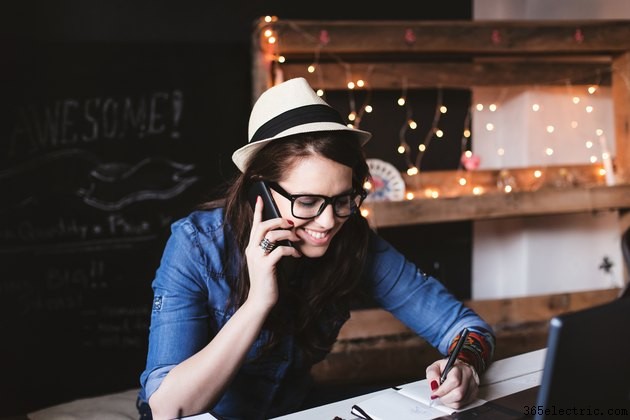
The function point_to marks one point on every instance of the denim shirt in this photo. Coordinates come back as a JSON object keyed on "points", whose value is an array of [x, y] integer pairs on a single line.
{"points": [[191, 290]]}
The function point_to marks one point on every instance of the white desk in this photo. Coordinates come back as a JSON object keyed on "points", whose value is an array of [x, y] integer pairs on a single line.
{"points": [[503, 377]]}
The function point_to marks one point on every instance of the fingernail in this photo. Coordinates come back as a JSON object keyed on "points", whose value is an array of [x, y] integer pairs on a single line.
{"points": [[290, 222], [434, 397], [434, 385]]}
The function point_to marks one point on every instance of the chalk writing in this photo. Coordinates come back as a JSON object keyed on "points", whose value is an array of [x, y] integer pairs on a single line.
{"points": [[72, 121]]}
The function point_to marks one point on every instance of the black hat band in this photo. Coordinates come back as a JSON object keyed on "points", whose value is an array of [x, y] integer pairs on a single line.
{"points": [[294, 117]]}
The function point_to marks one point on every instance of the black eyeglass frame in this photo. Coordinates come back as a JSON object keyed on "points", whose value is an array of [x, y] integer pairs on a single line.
{"points": [[327, 200]]}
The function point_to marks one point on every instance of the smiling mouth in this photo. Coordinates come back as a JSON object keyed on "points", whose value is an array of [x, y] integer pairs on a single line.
{"points": [[316, 235]]}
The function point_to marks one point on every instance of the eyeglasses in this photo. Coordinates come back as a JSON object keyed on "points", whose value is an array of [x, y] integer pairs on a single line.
{"points": [[308, 206]]}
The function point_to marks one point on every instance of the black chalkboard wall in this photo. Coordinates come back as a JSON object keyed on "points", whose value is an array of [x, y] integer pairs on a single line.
{"points": [[106, 145], [117, 118]]}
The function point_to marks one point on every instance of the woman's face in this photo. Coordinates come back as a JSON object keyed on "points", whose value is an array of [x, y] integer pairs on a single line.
{"points": [[314, 175]]}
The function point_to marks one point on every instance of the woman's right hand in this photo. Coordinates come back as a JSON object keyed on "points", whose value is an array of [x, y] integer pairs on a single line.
{"points": [[263, 285]]}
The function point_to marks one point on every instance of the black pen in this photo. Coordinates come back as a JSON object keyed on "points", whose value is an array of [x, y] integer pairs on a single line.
{"points": [[453, 356]]}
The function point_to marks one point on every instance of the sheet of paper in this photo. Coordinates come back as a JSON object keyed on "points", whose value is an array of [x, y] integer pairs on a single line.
{"points": [[420, 391], [393, 405]]}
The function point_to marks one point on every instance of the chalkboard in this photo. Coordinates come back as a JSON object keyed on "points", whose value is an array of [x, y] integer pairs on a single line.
{"points": [[102, 147]]}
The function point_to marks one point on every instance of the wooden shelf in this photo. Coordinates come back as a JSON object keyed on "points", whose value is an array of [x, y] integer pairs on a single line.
{"points": [[498, 205]]}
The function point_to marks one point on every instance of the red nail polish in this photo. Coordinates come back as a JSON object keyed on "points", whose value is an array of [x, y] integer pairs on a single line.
{"points": [[433, 397], [434, 385], [290, 222]]}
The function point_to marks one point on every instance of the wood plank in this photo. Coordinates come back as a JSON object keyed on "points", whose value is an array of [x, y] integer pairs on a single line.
{"points": [[498, 205], [375, 322], [454, 37], [621, 99], [388, 75]]}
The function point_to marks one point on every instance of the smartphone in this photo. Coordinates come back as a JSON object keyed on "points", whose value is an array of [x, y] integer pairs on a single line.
{"points": [[270, 209]]}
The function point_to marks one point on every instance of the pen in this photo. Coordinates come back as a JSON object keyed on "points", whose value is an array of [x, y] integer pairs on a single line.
{"points": [[453, 356]]}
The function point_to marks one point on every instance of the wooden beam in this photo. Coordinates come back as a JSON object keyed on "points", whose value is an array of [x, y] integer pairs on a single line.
{"points": [[498, 205], [462, 75], [621, 99], [453, 37], [376, 322]]}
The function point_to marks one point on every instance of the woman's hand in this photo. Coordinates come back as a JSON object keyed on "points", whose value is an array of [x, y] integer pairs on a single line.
{"points": [[460, 387], [263, 288]]}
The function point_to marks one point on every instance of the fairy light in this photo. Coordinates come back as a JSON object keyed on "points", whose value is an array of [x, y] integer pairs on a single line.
{"points": [[409, 196], [537, 173], [367, 185], [592, 89], [351, 85], [549, 151], [311, 68], [360, 83], [412, 171], [593, 159], [588, 144], [320, 92], [365, 212], [477, 190], [401, 149], [550, 129], [576, 100], [500, 151], [535, 107], [422, 147], [489, 127], [439, 133], [479, 107], [412, 124], [443, 109], [462, 181], [368, 109], [352, 116], [401, 101], [589, 109]]}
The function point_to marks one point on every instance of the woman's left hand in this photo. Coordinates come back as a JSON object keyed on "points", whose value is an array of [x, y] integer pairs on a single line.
{"points": [[460, 387]]}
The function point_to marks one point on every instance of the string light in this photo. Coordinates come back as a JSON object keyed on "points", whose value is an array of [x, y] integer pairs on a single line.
{"points": [[355, 114]]}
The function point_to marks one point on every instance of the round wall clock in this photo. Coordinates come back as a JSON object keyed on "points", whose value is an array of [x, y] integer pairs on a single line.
{"points": [[387, 182]]}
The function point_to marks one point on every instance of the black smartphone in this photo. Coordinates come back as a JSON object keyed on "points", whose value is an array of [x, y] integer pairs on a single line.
{"points": [[270, 209]]}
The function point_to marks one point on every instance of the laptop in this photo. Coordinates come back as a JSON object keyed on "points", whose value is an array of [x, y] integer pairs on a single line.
{"points": [[587, 368], [587, 364]]}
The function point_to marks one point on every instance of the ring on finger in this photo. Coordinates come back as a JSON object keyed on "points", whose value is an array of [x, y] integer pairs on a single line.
{"points": [[267, 246]]}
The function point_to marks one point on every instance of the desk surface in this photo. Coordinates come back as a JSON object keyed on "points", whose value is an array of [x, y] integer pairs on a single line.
{"points": [[503, 378]]}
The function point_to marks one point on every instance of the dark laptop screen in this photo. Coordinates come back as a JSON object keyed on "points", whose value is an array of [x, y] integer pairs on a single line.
{"points": [[587, 365]]}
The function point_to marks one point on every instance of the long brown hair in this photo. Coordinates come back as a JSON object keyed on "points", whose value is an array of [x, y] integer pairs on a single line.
{"points": [[331, 278]]}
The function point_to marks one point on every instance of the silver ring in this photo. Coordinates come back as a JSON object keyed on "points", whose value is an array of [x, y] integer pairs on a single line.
{"points": [[267, 246]]}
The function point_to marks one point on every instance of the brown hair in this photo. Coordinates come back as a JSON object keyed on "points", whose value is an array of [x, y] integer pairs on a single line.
{"points": [[334, 276]]}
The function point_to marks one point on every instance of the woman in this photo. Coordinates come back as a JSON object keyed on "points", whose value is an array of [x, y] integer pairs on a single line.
{"points": [[239, 318]]}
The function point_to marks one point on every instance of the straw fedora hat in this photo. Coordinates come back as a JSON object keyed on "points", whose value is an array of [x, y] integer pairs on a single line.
{"points": [[291, 107]]}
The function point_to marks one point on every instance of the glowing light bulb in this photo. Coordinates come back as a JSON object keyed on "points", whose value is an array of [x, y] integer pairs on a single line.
{"points": [[401, 101], [489, 126], [535, 107], [593, 159], [477, 190], [368, 109], [589, 109], [549, 151], [311, 68], [412, 171], [550, 129], [500, 151], [367, 185], [320, 92], [462, 181], [422, 147], [439, 133], [592, 89], [401, 149], [479, 107], [350, 85], [576, 100], [599, 131], [588, 144], [409, 196], [537, 173], [467, 133], [492, 107], [360, 83], [443, 109], [365, 212], [271, 40], [412, 124]]}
